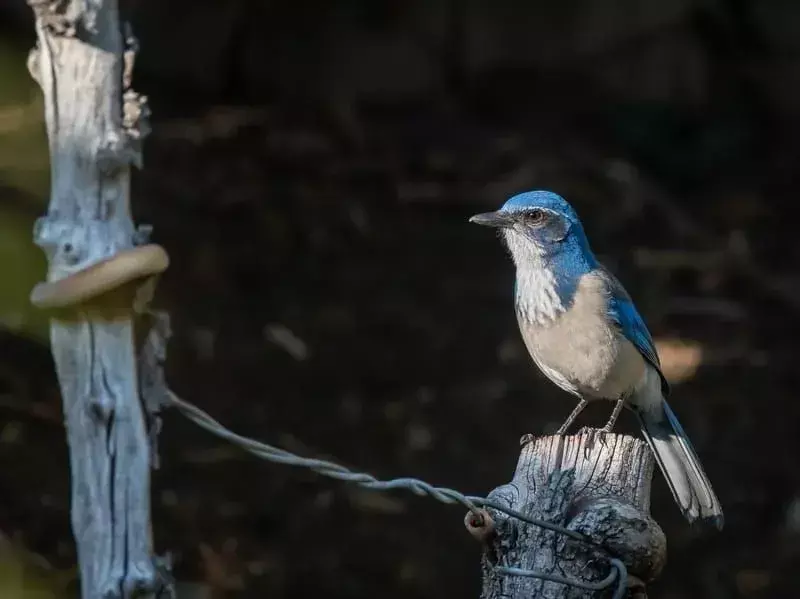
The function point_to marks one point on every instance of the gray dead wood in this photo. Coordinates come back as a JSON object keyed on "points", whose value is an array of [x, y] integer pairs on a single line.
{"points": [[95, 124], [591, 483]]}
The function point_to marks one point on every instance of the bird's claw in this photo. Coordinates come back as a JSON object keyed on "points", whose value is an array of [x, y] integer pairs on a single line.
{"points": [[592, 435]]}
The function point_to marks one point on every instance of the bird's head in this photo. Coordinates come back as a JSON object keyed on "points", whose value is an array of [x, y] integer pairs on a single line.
{"points": [[541, 229]]}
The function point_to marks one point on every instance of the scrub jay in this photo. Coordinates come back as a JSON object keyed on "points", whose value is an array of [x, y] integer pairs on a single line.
{"points": [[583, 332]]}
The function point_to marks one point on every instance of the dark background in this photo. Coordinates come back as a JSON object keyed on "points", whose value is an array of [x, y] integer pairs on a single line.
{"points": [[311, 172]]}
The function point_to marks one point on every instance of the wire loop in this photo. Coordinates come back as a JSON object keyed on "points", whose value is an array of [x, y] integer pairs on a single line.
{"points": [[618, 573]]}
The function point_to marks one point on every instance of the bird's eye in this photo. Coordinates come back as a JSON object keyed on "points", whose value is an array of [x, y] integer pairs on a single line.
{"points": [[535, 216]]}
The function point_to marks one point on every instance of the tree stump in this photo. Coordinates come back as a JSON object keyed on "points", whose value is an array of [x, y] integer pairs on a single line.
{"points": [[592, 483]]}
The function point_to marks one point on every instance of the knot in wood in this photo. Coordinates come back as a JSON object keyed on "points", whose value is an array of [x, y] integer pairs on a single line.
{"points": [[480, 525]]}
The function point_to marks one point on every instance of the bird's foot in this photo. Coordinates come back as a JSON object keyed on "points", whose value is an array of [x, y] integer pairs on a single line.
{"points": [[562, 430], [592, 436], [612, 420]]}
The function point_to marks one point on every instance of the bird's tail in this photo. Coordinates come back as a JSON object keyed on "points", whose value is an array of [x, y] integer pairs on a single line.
{"points": [[680, 465]]}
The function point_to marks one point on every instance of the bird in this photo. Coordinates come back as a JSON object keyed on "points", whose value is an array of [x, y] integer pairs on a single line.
{"points": [[583, 331]]}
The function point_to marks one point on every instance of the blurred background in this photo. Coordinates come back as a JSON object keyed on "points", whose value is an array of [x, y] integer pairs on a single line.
{"points": [[311, 171]]}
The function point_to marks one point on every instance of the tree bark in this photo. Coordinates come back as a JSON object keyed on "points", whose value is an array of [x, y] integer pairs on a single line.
{"points": [[591, 483], [83, 63]]}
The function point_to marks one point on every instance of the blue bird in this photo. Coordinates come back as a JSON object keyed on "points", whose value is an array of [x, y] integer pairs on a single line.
{"points": [[583, 332]]}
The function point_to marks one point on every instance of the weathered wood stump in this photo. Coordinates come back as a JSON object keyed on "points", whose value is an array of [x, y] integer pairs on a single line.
{"points": [[591, 483]]}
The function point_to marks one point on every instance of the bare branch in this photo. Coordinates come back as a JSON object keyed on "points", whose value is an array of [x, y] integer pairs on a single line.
{"points": [[97, 263]]}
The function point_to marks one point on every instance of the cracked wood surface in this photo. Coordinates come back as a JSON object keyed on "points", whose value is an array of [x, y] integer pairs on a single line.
{"points": [[592, 483], [95, 124]]}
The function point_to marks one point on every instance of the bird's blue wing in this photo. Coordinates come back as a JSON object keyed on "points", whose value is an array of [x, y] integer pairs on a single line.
{"points": [[624, 313]]}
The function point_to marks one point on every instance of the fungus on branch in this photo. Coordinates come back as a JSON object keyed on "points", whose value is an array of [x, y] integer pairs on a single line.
{"points": [[98, 265], [102, 277]]}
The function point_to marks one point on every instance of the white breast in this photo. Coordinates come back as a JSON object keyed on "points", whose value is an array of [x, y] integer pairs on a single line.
{"points": [[580, 350], [537, 300]]}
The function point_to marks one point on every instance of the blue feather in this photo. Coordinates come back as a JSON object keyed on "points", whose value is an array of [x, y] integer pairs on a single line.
{"points": [[624, 313], [541, 199], [571, 256]]}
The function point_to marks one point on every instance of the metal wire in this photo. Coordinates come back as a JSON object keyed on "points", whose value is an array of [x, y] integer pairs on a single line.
{"points": [[618, 573]]}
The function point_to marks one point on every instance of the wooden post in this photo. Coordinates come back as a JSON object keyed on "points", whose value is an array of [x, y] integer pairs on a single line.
{"points": [[97, 261], [592, 483]]}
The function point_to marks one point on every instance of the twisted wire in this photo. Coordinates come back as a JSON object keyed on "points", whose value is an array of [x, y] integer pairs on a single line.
{"points": [[444, 495]]}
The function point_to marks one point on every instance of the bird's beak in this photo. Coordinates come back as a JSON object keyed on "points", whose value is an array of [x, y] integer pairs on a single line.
{"points": [[497, 219]]}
